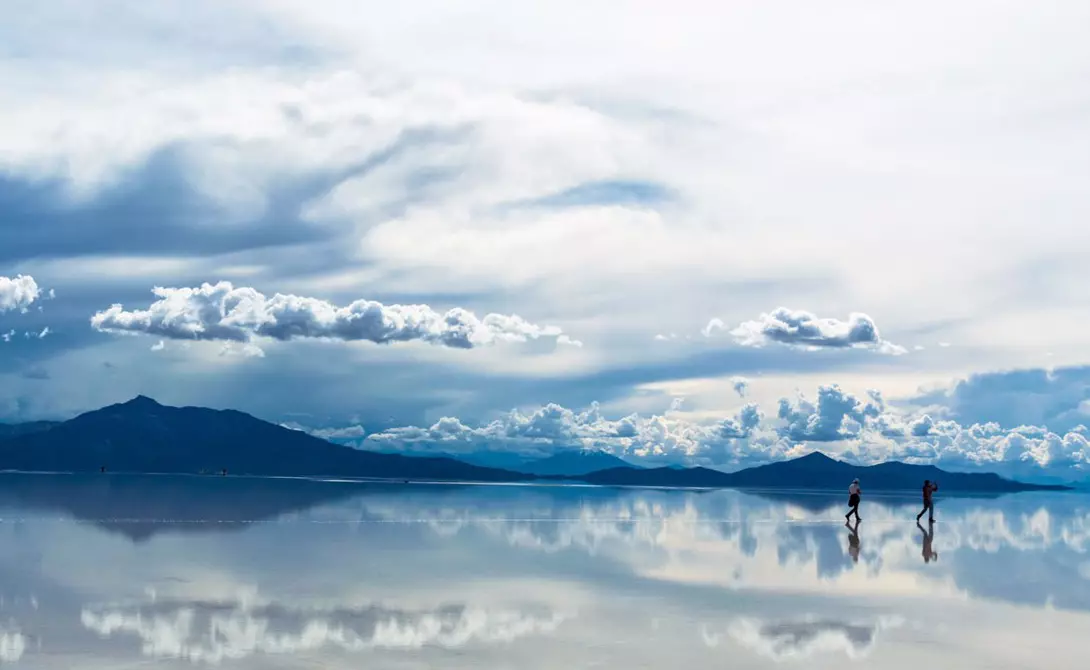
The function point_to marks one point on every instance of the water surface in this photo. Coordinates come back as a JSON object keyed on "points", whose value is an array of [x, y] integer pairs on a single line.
{"points": [[115, 572]]}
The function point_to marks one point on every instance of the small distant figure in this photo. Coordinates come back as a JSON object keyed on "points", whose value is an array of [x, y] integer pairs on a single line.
{"points": [[223, 472], [853, 500], [929, 489], [853, 540], [102, 469], [929, 554]]}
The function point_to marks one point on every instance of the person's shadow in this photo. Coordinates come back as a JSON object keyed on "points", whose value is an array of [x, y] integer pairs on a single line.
{"points": [[853, 540], [929, 554]]}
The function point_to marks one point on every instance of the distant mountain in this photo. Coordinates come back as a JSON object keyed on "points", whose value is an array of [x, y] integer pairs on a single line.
{"points": [[16, 429], [573, 463], [818, 471], [143, 436]]}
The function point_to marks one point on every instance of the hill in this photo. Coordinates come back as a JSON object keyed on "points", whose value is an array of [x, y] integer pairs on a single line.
{"points": [[16, 429], [574, 463], [142, 435], [818, 471]]}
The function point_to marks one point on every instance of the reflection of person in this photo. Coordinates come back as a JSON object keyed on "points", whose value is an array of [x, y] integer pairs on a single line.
{"points": [[929, 554], [853, 540], [929, 489], [853, 500]]}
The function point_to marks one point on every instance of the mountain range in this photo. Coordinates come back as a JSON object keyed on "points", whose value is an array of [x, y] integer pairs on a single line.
{"points": [[142, 435]]}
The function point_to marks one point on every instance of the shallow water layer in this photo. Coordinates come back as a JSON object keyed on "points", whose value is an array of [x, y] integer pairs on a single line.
{"points": [[114, 571]]}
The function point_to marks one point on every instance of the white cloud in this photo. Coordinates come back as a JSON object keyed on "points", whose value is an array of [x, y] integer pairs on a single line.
{"points": [[214, 632], [222, 312], [12, 645], [345, 433], [18, 293], [791, 640], [728, 161], [803, 329], [656, 438], [865, 431]]}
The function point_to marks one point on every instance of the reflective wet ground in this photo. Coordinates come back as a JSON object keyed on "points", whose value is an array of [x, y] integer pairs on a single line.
{"points": [[118, 572]]}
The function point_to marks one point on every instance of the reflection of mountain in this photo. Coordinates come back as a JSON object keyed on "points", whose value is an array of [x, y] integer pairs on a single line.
{"points": [[140, 506], [820, 502], [143, 436]]}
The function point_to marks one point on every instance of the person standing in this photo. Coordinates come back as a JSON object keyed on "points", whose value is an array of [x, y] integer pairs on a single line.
{"points": [[929, 489], [853, 500]]}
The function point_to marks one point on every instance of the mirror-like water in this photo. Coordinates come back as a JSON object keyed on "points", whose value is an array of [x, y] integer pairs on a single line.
{"points": [[115, 572]]}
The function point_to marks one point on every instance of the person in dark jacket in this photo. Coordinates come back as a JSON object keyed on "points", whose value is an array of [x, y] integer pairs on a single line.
{"points": [[929, 489]]}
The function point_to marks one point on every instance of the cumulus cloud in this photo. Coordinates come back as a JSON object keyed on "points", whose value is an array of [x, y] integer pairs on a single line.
{"points": [[803, 329], [211, 632], [801, 639], [836, 415], [223, 312], [551, 428], [18, 293], [864, 430]]}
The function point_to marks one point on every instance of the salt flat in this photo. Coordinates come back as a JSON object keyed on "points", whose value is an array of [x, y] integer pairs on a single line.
{"points": [[115, 571]]}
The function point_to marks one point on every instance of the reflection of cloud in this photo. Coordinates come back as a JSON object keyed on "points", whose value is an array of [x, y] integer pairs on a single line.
{"points": [[213, 631], [781, 640], [12, 645], [740, 541]]}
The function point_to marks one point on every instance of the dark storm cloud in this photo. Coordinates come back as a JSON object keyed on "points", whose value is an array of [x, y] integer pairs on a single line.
{"points": [[1058, 399]]}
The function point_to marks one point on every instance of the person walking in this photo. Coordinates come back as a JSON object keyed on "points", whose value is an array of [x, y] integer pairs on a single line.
{"points": [[853, 500], [929, 489]]}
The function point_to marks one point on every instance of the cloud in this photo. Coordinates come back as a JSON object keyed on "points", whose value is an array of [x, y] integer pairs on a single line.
{"points": [[222, 312], [837, 415], [18, 293], [861, 430], [740, 386], [12, 645], [803, 329], [551, 428], [343, 434], [1058, 398], [211, 632], [785, 640]]}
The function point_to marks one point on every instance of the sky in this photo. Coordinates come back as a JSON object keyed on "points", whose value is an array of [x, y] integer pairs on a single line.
{"points": [[698, 233]]}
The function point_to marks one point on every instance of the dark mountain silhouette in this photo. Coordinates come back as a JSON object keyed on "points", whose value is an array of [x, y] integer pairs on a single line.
{"points": [[16, 429], [574, 462], [818, 471], [143, 436]]}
